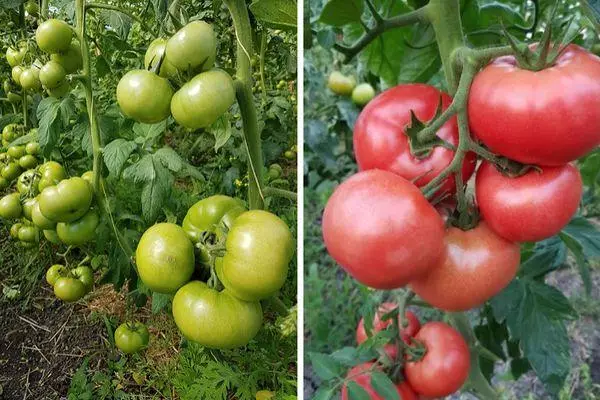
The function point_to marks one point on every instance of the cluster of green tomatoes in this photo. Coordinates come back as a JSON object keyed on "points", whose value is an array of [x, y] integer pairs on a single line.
{"points": [[218, 265], [62, 55], [186, 61], [345, 85], [70, 284]]}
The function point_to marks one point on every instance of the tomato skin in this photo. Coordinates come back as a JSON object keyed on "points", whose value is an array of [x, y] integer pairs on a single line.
{"points": [[201, 101], [193, 47], [531, 207], [28, 233], [28, 205], [208, 215], [51, 174], [51, 236], [80, 231], [66, 202], [11, 171], [53, 36], [152, 57], [55, 272], [14, 56], [85, 275], [341, 84], [16, 73], [378, 325], [70, 59], [399, 239], [27, 161], [530, 116], [131, 337], [32, 148], [259, 248], [27, 182], [10, 206], [16, 152], [264, 395], [144, 96], [69, 289], [380, 140], [52, 74], [29, 79], [14, 230], [445, 365], [215, 319], [362, 94], [477, 266], [361, 375], [165, 258]]}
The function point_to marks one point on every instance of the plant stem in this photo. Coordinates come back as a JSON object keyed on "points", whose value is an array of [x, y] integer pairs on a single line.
{"points": [[122, 11], [286, 194], [243, 33], [44, 9], [263, 49], [24, 92]]}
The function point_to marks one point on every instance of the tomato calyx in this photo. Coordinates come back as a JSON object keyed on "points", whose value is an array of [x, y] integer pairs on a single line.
{"points": [[416, 351], [422, 147], [514, 169]]}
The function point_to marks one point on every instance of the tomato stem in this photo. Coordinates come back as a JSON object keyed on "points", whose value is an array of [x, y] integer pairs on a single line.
{"points": [[44, 9], [286, 194]]}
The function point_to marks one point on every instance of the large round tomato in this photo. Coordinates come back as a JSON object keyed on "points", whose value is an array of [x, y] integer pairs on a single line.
{"points": [[380, 228], [51, 174], [380, 140], [29, 79], [11, 170], [80, 231], [444, 367], [193, 47], [70, 59], [154, 54], [165, 258], [55, 272], [14, 56], [10, 206], [478, 264], [341, 84], [144, 96], [361, 374], [69, 289], [53, 36], [406, 332], [16, 152], [52, 74], [27, 161], [32, 148], [67, 201], [201, 101], [131, 337], [215, 319], [531, 207], [538, 117], [29, 234], [259, 248], [211, 214]]}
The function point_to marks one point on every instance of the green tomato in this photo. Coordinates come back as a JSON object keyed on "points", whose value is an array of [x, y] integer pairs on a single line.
{"points": [[265, 395], [30, 80], [85, 276], [193, 47], [69, 289], [51, 236], [362, 94], [154, 54], [66, 202], [341, 84], [131, 337], [289, 154], [59, 91], [15, 57], [88, 176], [275, 171], [27, 206], [32, 148], [144, 96], [52, 74], [51, 173], [13, 98], [32, 8], [40, 221], [211, 215], [11, 171], [53, 36], [55, 272], [27, 183], [29, 234], [165, 258], [215, 319], [16, 152], [16, 73], [27, 161], [80, 231], [259, 248], [14, 230], [28, 245], [201, 101], [71, 59]]}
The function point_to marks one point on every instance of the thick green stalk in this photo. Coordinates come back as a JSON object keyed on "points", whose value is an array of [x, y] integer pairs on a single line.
{"points": [[24, 92], [445, 19], [44, 9], [243, 32]]}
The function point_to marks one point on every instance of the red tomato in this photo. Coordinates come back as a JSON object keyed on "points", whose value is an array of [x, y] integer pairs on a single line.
{"points": [[380, 140], [360, 374], [378, 325], [531, 207], [548, 117], [445, 366], [477, 266], [381, 230]]}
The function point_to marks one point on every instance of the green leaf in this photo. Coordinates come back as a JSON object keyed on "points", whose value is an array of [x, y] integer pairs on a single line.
{"points": [[278, 14], [116, 154], [221, 130], [348, 111], [590, 168], [581, 261], [548, 255], [317, 137], [356, 392], [159, 302], [325, 366], [48, 113], [592, 10], [324, 393], [156, 191], [169, 158], [342, 12], [142, 171], [586, 234], [14, 4], [149, 131], [384, 386]]}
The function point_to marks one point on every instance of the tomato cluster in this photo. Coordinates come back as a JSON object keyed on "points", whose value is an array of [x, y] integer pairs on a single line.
{"points": [[344, 85], [249, 252], [184, 60], [70, 284]]}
